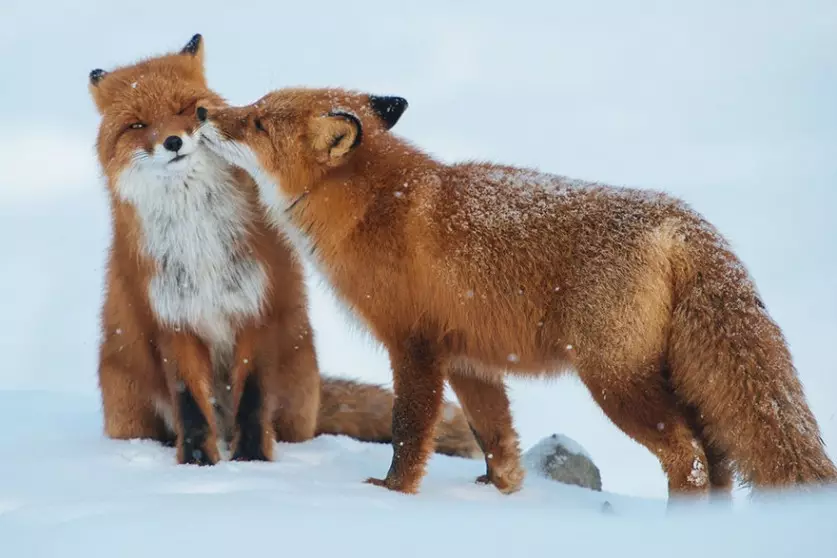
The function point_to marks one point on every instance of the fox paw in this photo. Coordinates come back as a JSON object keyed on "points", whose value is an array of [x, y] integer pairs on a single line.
{"points": [[249, 447], [386, 483], [249, 454], [196, 457], [510, 480], [508, 483]]}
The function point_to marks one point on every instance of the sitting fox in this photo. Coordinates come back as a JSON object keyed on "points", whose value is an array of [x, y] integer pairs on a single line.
{"points": [[205, 328], [468, 271]]}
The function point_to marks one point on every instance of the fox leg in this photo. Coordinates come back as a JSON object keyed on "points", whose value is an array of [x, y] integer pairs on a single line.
{"points": [[419, 384], [720, 472], [296, 385], [276, 387], [719, 466], [252, 434], [487, 408], [188, 367], [642, 406], [128, 397]]}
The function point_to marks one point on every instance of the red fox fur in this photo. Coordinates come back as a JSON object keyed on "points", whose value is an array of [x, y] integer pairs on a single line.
{"points": [[467, 271], [205, 328]]}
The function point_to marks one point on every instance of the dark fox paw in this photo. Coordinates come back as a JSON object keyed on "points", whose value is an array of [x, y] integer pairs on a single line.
{"points": [[196, 456], [249, 450]]}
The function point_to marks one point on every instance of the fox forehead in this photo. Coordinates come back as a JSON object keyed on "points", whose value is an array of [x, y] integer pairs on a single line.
{"points": [[161, 84], [150, 97], [298, 100]]}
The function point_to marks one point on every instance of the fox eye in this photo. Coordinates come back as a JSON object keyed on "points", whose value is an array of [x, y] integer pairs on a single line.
{"points": [[136, 125], [185, 109], [258, 123]]}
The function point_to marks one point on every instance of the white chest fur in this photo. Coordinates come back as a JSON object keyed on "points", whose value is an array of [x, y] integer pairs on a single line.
{"points": [[194, 224]]}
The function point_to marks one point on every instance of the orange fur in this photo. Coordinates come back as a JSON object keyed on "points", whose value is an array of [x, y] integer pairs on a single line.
{"points": [[469, 271], [205, 328]]}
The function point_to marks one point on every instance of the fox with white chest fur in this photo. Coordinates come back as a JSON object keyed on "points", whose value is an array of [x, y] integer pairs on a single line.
{"points": [[467, 272], [205, 328]]}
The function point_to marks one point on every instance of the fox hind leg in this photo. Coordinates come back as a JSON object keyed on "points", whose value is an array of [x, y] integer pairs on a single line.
{"points": [[645, 409], [720, 470], [128, 397], [295, 381], [487, 408]]}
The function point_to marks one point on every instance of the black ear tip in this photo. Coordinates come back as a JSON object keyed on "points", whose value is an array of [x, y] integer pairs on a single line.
{"points": [[97, 75], [193, 45], [202, 114], [388, 108]]}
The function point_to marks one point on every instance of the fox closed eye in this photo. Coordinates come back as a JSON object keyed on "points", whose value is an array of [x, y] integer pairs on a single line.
{"points": [[258, 123], [186, 108]]}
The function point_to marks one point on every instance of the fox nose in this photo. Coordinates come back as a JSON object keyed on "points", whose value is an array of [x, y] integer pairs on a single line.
{"points": [[202, 114], [173, 143]]}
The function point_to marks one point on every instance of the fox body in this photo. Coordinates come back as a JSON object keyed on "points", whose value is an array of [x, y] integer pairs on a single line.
{"points": [[205, 329], [467, 272]]}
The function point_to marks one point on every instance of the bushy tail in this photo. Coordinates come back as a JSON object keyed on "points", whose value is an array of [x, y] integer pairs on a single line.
{"points": [[729, 360], [364, 412]]}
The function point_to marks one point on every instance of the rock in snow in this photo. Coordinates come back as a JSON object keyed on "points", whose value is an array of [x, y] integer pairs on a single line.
{"points": [[564, 460]]}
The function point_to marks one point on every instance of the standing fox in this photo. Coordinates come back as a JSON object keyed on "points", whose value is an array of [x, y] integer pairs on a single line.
{"points": [[465, 271], [205, 331]]}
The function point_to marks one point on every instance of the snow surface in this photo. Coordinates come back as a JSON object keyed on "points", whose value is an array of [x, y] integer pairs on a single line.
{"points": [[727, 105], [69, 492]]}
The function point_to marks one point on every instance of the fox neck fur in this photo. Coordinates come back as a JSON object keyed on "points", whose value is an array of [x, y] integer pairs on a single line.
{"points": [[194, 226]]}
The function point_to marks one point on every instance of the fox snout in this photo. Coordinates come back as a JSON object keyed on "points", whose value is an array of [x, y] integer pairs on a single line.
{"points": [[173, 143], [220, 116], [231, 122]]}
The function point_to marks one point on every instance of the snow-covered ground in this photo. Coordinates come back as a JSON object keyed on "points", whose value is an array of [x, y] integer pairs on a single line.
{"points": [[728, 105], [68, 492]]}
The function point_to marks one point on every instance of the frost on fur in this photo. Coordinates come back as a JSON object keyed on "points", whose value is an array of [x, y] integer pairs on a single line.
{"points": [[479, 270]]}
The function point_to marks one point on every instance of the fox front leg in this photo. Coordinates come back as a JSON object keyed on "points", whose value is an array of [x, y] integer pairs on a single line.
{"points": [[418, 384]]}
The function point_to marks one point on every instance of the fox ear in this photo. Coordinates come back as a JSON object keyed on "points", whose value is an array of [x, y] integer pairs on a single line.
{"points": [[194, 47], [388, 109], [96, 76], [335, 136], [193, 54]]}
